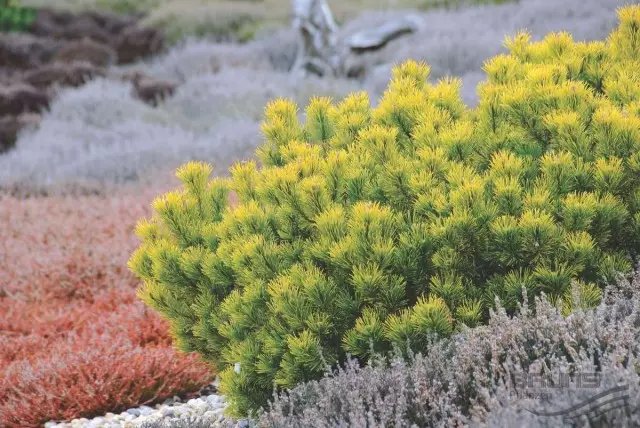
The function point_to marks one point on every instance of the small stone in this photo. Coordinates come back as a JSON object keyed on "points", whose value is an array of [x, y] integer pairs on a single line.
{"points": [[50, 424], [210, 415], [167, 412], [201, 406], [179, 411], [109, 415], [134, 412], [146, 410], [213, 399], [96, 422]]}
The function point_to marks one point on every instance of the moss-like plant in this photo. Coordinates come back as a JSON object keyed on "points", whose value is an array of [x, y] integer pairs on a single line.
{"points": [[372, 227], [14, 17]]}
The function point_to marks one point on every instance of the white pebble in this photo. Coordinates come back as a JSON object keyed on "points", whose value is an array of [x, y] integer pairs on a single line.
{"points": [[207, 408], [214, 399], [146, 410], [96, 422], [167, 411]]}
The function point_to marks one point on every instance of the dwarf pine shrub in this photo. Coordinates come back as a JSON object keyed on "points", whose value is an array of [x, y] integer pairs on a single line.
{"points": [[369, 228]]}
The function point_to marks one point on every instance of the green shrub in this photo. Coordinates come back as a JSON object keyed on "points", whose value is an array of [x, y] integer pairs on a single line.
{"points": [[14, 17], [372, 227]]}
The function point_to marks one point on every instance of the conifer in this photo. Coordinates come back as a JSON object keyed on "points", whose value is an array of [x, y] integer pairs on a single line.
{"points": [[368, 228]]}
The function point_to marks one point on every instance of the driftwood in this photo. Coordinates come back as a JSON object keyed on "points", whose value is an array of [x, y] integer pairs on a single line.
{"points": [[371, 39], [317, 43], [322, 52]]}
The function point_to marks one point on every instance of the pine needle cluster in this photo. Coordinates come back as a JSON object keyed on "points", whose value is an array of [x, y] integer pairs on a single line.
{"points": [[368, 228]]}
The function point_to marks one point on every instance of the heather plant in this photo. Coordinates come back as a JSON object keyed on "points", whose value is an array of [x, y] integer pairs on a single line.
{"points": [[369, 228], [97, 371], [189, 422], [471, 379], [620, 386], [75, 341], [98, 133]]}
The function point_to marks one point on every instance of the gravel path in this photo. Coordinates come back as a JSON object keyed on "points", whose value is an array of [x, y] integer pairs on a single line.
{"points": [[204, 411]]}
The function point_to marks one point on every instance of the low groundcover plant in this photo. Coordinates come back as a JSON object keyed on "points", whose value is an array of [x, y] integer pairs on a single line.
{"points": [[75, 341], [369, 228], [476, 378]]}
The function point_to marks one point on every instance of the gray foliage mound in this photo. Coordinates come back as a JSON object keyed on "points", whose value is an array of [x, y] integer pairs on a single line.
{"points": [[100, 133], [475, 379], [190, 422]]}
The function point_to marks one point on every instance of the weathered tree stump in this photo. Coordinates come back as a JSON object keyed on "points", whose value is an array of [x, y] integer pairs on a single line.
{"points": [[317, 42], [322, 53]]}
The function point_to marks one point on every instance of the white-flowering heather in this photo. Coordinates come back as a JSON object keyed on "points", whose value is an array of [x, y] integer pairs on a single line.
{"points": [[99, 132], [471, 379]]}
